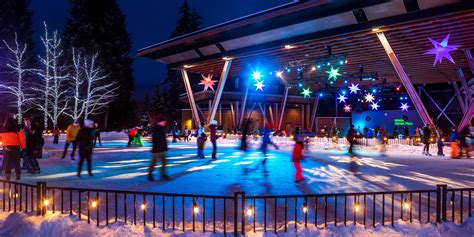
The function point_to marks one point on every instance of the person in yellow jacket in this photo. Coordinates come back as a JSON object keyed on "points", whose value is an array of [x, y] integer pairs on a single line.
{"points": [[13, 141], [71, 134]]}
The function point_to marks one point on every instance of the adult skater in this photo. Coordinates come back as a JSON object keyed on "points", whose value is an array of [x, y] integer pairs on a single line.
{"points": [[85, 142], [34, 146], [175, 132], [245, 130], [97, 135], [296, 158], [426, 140], [159, 145], [214, 137], [453, 143], [351, 138], [13, 141], [463, 141], [266, 140], [56, 134], [186, 133], [71, 134], [200, 139]]}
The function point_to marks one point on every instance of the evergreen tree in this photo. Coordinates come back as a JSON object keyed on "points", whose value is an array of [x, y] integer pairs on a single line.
{"points": [[15, 17], [100, 27], [189, 21]]}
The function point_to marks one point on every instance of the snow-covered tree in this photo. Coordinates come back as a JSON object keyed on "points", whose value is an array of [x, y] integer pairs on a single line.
{"points": [[77, 82], [99, 92], [17, 64], [44, 88]]}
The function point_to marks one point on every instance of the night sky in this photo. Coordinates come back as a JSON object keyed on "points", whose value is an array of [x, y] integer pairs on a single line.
{"points": [[149, 22]]}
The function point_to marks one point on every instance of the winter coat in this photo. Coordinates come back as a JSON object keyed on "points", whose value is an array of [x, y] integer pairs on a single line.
{"points": [[159, 143], [71, 132], [133, 132], [297, 154], [213, 132], [33, 142], [453, 136], [85, 138], [13, 138], [56, 132], [350, 135], [426, 134]]}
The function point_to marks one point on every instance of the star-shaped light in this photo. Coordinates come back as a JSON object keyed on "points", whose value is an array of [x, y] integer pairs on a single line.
{"points": [[375, 106], [354, 88], [306, 92], [259, 85], [333, 73], [207, 82], [441, 50], [369, 98], [347, 108], [342, 98], [404, 107]]}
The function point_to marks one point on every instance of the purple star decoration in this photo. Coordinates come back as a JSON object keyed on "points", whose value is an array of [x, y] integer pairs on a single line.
{"points": [[441, 50]]}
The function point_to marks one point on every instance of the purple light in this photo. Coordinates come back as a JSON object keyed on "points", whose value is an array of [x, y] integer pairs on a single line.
{"points": [[441, 50]]}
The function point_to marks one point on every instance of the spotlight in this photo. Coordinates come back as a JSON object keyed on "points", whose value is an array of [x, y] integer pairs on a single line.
{"points": [[279, 74], [341, 62], [288, 70], [299, 69], [143, 206], [94, 204], [257, 75], [45, 202], [313, 68], [195, 208], [345, 81], [406, 98], [401, 98], [300, 84]]}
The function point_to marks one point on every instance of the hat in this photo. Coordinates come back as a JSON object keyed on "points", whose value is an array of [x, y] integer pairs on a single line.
{"points": [[88, 123], [214, 122]]}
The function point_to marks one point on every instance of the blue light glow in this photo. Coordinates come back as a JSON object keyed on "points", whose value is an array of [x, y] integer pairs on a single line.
{"points": [[374, 90], [288, 70], [341, 62], [345, 81], [319, 66], [320, 94], [343, 92], [329, 64], [300, 84], [256, 75]]}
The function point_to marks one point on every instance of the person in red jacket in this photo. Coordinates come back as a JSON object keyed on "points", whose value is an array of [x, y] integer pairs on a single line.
{"points": [[131, 135], [297, 156], [56, 134], [14, 142]]}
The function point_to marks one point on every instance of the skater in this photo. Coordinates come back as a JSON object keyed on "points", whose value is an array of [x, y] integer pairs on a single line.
{"points": [[245, 130], [453, 142], [55, 133], [297, 157], [266, 140], [406, 132], [200, 139], [71, 134], [34, 146], [440, 144], [186, 134], [13, 141], [97, 135], [351, 138], [131, 135], [159, 145], [85, 142], [426, 140], [463, 141], [175, 131], [214, 137]]}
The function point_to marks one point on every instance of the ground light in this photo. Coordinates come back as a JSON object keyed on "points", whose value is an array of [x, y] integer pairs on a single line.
{"points": [[356, 206], [143, 206], [195, 208], [250, 211], [46, 202], [406, 204], [94, 203], [305, 208]]}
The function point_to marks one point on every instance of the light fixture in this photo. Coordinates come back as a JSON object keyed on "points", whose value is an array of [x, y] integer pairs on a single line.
{"points": [[94, 203], [279, 74], [313, 68], [256, 75], [143, 206], [187, 66], [45, 202], [406, 204], [305, 208], [376, 29], [195, 208], [226, 58], [250, 211], [289, 46], [356, 206]]}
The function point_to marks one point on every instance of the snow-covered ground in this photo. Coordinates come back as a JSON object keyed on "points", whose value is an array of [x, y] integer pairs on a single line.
{"points": [[327, 168], [19, 224]]}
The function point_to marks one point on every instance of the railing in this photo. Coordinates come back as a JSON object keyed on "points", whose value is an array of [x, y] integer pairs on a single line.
{"points": [[239, 213]]}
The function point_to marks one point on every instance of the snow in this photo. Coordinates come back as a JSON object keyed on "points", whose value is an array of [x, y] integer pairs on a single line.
{"points": [[20, 224]]}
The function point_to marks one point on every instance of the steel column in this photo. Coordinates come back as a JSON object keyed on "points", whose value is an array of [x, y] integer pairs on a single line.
{"points": [[302, 117], [437, 106], [276, 114], [467, 91], [192, 103], [469, 58], [264, 114], [270, 111], [251, 110], [420, 108], [220, 89], [307, 111], [232, 113], [287, 88], [459, 97], [313, 116], [467, 118], [244, 103]]}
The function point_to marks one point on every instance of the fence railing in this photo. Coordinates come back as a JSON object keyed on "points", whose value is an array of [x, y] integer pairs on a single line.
{"points": [[239, 213]]}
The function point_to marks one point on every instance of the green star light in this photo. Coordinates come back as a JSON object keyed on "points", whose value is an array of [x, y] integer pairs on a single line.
{"points": [[333, 73], [306, 92]]}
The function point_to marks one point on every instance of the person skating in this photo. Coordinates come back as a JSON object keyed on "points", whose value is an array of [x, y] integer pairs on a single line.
{"points": [[71, 134], [13, 141], [97, 135], [56, 133], [175, 132], [34, 144], [426, 140], [351, 138], [200, 139], [440, 144], [214, 137], [453, 142], [463, 141], [131, 135], [245, 130], [296, 158], [159, 145], [186, 134], [266, 140], [85, 142]]}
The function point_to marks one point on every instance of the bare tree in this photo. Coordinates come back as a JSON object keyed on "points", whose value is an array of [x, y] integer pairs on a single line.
{"points": [[17, 89], [44, 88], [77, 82], [99, 93]]}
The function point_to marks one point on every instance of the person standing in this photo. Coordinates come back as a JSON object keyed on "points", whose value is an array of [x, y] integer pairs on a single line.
{"points": [[159, 146], [214, 137], [351, 138], [71, 134], [13, 141], [56, 133], [85, 142], [426, 140], [296, 158], [186, 133], [463, 141], [34, 147], [97, 135], [245, 129], [453, 143], [175, 132], [201, 139]]}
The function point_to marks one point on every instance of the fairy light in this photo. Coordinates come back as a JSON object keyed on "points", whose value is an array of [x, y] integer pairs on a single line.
{"points": [[46, 202], [143, 206]]}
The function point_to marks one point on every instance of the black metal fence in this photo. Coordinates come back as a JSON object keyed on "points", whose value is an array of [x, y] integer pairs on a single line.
{"points": [[239, 213]]}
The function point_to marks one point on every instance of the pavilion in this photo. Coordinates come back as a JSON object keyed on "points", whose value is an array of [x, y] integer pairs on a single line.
{"points": [[262, 63]]}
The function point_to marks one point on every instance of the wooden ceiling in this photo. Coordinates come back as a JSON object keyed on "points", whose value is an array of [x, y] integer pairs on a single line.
{"points": [[408, 40]]}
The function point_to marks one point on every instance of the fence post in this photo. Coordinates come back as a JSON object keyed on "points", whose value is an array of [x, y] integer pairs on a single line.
{"points": [[39, 206], [444, 192], [43, 190], [243, 213], [438, 203], [236, 220], [441, 196]]}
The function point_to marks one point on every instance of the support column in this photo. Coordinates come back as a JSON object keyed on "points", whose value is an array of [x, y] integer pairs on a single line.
{"points": [[244, 103], [232, 112], [276, 115], [287, 88], [192, 103], [470, 59], [302, 117], [313, 116], [467, 118], [220, 113], [264, 114], [420, 108], [220, 89], [467, 91], [437, 106], [459, 97], [270, 111], [307, 110]]}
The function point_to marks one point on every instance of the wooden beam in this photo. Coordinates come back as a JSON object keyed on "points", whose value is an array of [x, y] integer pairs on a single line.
{"points": [[467, 118], [220, 89], [192, 103], [287, 88]]}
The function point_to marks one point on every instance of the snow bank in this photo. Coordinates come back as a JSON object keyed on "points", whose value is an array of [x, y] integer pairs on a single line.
{"points": [[20, 224]]}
